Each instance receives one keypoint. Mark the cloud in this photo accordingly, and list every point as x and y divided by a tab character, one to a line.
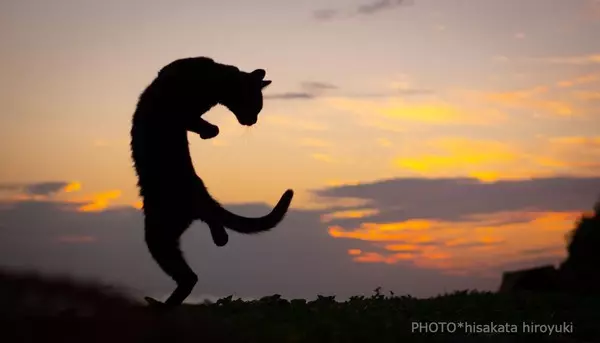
108	245
537	99
312	90
76	239
42	189
99	201
45	188
579	80
290	96
315	86
587	95
481	245
368	8
413	236
457	199
572	60
378	6
316	89
562	98
325	14
461	225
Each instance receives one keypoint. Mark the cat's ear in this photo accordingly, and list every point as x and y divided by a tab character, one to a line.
259	74
265	83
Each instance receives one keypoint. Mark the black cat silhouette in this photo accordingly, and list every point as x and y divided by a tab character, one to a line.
173	195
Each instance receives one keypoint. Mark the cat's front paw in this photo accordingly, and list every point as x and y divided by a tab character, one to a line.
209	132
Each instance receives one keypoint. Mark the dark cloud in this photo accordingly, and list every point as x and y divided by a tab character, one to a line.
456	198
290	96
41	188
325	14
378	6
298	258
315	86
363	9
312	89
45	188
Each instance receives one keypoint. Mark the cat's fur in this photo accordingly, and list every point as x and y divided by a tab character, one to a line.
173	195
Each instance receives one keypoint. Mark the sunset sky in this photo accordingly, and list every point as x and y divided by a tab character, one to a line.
432	144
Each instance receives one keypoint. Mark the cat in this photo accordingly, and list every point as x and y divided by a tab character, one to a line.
173	195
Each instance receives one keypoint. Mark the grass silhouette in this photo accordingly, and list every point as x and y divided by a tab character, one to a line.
36	308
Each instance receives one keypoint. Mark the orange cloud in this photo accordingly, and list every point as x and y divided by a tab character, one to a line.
475	244
532	99
100	201
580	80
360	213
575	60
138	204
587	95
72	187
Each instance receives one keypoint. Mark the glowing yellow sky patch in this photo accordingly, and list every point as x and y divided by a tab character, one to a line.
100	201
490	161
459	153
482	241
390	112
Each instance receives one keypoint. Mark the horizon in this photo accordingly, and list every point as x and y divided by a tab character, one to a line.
431	144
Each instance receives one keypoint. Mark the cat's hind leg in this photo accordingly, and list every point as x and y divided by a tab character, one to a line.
218	233
167	253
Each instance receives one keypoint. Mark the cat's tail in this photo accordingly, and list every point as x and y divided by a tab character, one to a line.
248	225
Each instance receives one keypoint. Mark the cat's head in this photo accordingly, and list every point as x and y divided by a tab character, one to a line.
239	91
243	95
